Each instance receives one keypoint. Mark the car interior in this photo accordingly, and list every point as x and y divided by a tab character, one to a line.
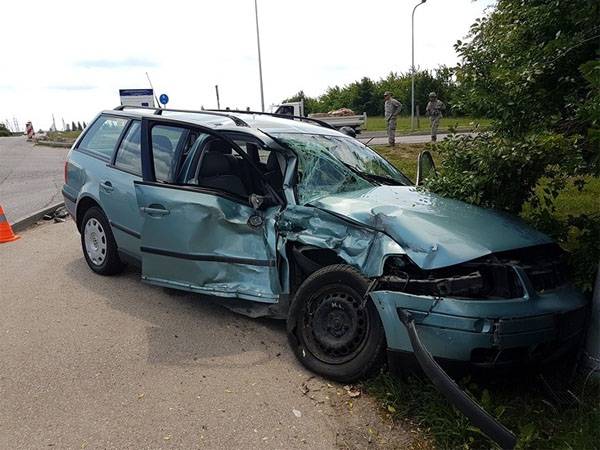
212	163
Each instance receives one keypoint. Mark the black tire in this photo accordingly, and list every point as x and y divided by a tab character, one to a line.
110	264
332	330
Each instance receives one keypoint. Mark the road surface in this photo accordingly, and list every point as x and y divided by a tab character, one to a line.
92	362
31	177
380	138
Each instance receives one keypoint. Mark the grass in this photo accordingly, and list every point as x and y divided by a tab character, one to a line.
403	156
378	123
520	404
63	136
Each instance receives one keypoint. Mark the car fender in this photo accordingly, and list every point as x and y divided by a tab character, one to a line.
357	245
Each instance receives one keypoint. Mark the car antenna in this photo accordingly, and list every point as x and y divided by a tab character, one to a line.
152	87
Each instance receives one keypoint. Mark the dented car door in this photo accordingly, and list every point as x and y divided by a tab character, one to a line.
203	239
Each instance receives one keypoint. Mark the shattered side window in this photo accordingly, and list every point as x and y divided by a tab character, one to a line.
319	172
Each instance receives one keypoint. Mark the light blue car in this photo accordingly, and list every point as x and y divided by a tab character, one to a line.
285	217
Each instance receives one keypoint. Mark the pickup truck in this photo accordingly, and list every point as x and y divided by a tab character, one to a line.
357	122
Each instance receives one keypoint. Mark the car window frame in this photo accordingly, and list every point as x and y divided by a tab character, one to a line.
177	151
113	161
149	176
97	155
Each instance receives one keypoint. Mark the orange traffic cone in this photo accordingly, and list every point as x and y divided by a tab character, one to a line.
6	232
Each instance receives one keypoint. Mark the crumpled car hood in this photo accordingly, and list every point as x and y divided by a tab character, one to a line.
433	231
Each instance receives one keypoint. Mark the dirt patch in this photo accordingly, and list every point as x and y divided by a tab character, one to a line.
357	418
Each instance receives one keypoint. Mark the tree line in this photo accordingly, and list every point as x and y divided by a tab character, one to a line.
79	126
366	95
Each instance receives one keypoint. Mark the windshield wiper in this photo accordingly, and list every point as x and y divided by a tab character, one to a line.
372	177
382	179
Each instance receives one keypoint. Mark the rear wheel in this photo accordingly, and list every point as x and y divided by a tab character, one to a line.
333	330
98	243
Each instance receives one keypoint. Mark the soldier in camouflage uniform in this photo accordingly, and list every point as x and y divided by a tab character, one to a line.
392	108
434	110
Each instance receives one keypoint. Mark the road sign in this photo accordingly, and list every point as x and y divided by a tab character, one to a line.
137	97
164	99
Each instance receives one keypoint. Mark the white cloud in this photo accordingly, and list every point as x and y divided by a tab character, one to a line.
70	58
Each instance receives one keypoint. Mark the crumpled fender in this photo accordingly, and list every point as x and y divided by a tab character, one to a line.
358	245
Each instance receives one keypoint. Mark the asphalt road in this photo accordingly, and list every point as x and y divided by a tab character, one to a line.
31	177
109	362
380	138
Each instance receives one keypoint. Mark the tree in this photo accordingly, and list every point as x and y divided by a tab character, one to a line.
532	66
311	105
366	95
79	128
521	64
73	126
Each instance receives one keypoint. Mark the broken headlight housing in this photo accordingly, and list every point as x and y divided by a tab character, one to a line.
491	277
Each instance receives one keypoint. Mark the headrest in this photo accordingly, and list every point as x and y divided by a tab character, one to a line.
272	163
214	164
220	146
163	142
252	151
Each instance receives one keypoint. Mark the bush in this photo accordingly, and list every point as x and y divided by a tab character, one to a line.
503	173
4	131
497	172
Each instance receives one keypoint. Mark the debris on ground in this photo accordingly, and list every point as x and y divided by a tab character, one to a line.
58	215
357	419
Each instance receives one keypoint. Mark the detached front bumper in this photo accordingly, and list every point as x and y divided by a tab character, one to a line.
536	328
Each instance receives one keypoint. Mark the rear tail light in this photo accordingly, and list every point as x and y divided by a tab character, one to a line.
66	172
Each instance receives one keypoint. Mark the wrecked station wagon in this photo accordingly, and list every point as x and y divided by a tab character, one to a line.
288	218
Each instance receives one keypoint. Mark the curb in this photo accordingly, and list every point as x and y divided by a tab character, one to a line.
54	144
32	219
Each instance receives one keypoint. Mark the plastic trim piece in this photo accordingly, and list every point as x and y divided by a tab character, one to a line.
446	385
213	258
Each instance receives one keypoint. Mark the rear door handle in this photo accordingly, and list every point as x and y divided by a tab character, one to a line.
107	186
155	210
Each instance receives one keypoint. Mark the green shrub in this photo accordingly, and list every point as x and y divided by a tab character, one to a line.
505	173
4	131
497	172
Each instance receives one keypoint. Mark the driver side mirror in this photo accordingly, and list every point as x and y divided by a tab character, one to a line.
425	167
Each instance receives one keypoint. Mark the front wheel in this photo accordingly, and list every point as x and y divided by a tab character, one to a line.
333	330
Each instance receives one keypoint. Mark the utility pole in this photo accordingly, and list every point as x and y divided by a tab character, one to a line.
262	93
412	102
217	91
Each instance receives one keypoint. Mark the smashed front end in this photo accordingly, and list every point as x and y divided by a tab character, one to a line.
505	308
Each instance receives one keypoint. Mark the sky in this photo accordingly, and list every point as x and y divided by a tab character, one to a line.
70	58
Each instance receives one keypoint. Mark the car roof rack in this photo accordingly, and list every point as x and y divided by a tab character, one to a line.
281	116
158	111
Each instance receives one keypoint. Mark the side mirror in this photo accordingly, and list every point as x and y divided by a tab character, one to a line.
425	167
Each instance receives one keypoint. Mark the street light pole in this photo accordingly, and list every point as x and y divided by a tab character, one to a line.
412	102
262	94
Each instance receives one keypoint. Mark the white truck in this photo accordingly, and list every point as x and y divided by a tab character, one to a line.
357	122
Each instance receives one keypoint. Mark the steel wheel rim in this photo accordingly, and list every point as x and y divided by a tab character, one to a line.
335	325
95	241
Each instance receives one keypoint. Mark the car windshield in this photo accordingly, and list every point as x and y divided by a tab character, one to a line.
333	164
